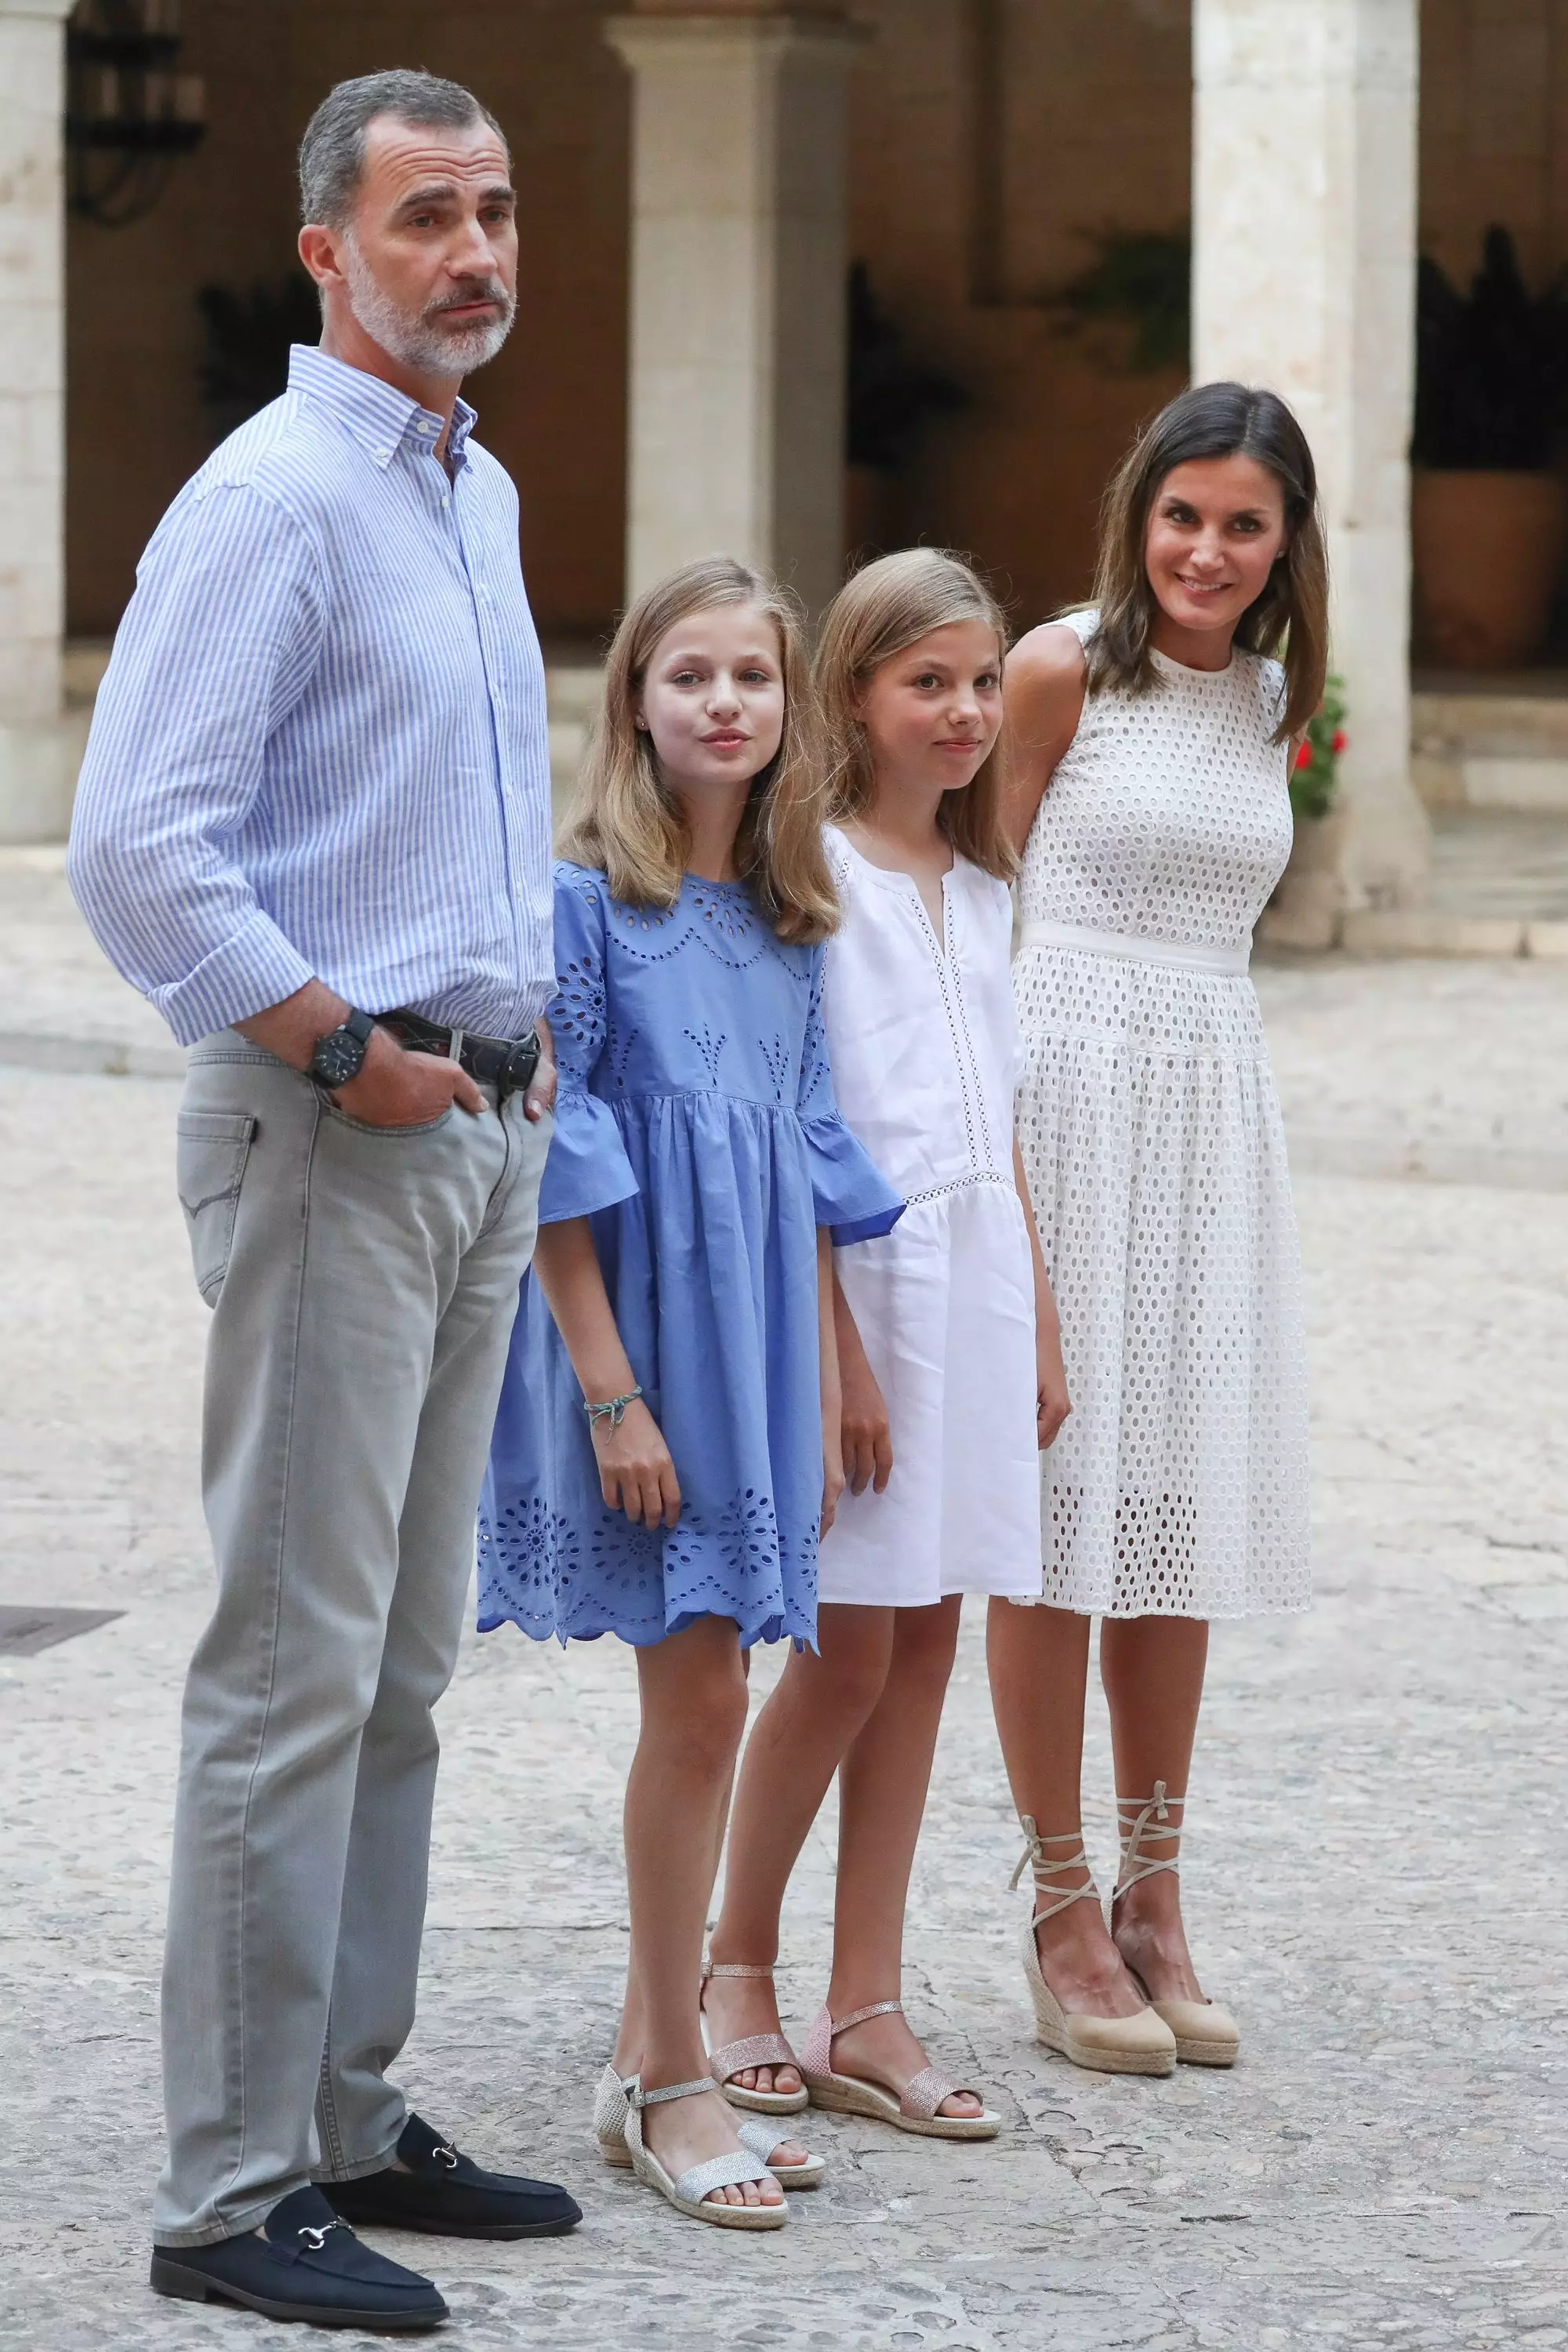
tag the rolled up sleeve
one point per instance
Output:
(217, 643)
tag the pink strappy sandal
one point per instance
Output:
(755, 2050)
(915, 2107)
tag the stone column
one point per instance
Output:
(38, 749)
(736, 397)
(1303, 278)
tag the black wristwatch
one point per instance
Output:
(340, 1055)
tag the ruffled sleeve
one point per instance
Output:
(853, 1201)
(587, 1167)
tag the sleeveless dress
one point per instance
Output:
(924, 1045)
(1155, 1154)
(696, 1126)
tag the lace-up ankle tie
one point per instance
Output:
(1138, 1818)
(1034, 1859)
(1205, 2034)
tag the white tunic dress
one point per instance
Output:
(924, 1046)
(1155, 1155)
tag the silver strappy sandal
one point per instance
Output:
(1143, 2044)
(914, 2109)
(692, 2192)
(755, 2050)
(1206, 2035)
(611, 2106)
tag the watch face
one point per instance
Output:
(339, 1057)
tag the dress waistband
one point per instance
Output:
(1232, 962)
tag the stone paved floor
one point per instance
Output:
(1374, 1877)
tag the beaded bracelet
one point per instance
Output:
(613, 1410)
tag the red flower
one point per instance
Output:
(1304, 757)
(1339, 742)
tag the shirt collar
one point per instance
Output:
(379, 417)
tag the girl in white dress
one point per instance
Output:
(1152, 741)
(947, 1341)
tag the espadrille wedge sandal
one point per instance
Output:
(1205, 2034)
(1141, 2044)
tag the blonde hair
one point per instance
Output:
(877, 614)
(1217, 420)
(624, 819)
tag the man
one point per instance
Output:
(314, 828)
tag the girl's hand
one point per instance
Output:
(1052, 1403)
(868, 1441)
(635, 1473)
(832, 1468)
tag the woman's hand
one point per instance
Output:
(635, 1473)
(1052, 1403)
(868, 1439)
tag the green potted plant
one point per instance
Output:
(1314, 774)
(1489, 512)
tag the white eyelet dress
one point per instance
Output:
(1155, 1154)
(924, 1041)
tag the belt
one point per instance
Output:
(1232, 962)
(507, 1064)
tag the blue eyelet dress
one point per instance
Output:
(696, 1126)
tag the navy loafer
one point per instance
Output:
(305, 2263)
(446, 2193)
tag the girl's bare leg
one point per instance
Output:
(1038, 1661)
(693, 1694)
(883, 1785)
(817, 1707)
(1152, 1669)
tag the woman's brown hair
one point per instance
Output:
(877, 614)
(1217, 420)
(624, 820)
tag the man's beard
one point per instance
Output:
(416, 338)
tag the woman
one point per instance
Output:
(1151, 742)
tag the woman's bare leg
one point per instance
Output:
(883, 1785)
(693, 1694)
(1152, 1669)
(797, 1742)
(1038, 1661)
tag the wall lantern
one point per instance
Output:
(128, 111)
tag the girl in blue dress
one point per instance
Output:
(667, 1451)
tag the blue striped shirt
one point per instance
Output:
(321, 747)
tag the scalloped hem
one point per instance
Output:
(645, 1636)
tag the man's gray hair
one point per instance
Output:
(331, 152)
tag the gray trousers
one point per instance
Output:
(363, 1283)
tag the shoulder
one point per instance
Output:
(262, 485)
(581, 885)
(1047, 668)
(840, 859)
(1044, 685)
(1052, 655)
(282, 453)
